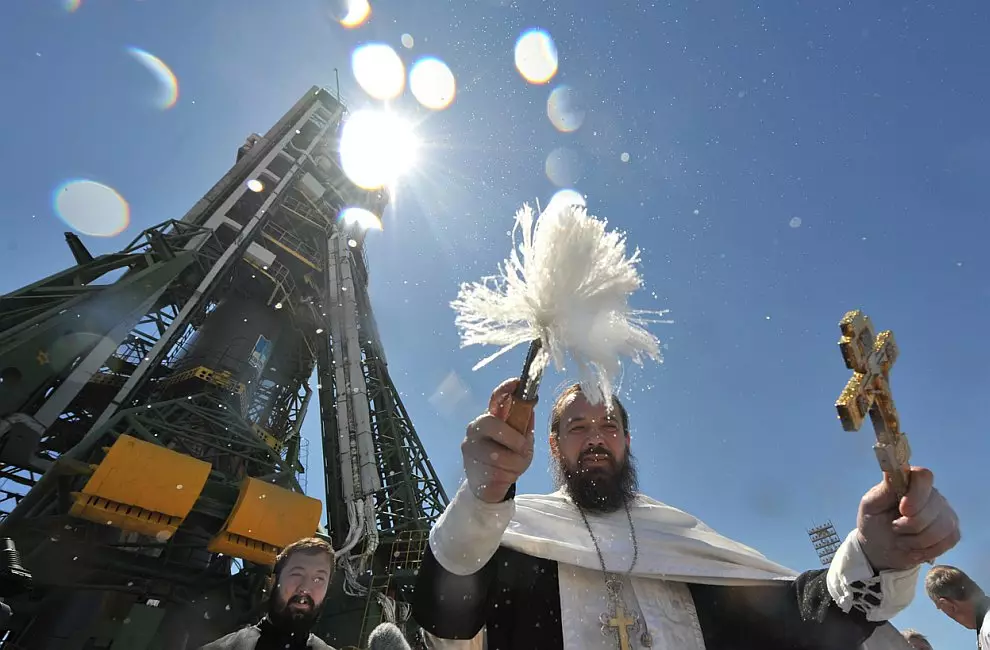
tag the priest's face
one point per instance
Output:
(590, 449)
(298, 596)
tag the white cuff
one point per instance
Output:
(469, 532)
(851, 583)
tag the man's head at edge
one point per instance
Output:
(916, 639)
(955, 594)
(589, 450)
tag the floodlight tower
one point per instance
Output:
(150, 410)
(825, 540)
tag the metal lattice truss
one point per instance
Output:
(825, 540)
(31, 305)
(412, 498)
(205, 427)
(70, 375)
(109, 351)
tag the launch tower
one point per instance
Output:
(150, 410)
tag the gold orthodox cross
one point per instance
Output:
(621, 622)
(871, 357)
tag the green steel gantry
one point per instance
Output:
(150, 410)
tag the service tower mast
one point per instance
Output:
(150, 410)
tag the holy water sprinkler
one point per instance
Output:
(564, 291)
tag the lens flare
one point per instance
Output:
(358, 12)
(91, 208)
(432, 83)
(379, 70)
(563, 167)
(72, 5)
(167, 81)
(536, 56)
(408, 41)
(563, 110)
(564, 198)
(376, 147)
(255, 185)
(364, 219)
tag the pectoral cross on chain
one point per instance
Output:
(870, 358)
(621, 622)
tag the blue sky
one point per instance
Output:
(785, 163)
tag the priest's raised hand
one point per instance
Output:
(598, 564)
(495, 454)
(901, 533)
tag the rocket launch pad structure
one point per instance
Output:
(150, 410)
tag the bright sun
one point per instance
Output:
(376, 148)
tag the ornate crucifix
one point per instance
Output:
(871, 357)
(621, 622)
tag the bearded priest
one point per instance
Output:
(598, 564)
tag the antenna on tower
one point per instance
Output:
(825, 540)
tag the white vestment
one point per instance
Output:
(675, 549)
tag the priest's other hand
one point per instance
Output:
(495, 454)
(902, 533)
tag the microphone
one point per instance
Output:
(387, 637)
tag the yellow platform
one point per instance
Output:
(142, 487)
(266, 519)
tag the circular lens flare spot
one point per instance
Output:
(563, 167)
(564, 198)
(624, 157)
(563, 110)
(432, 83)
(255, 185)
(379, 70)
(91, 208)
(408, 41)
(376, 147)
(364, 219)
(536, 56)
(358, 12)
(168, 84)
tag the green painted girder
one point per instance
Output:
(202, 420)
(33, 358)
(23, 308)
(59, 291)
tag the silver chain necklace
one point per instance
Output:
(613, 587)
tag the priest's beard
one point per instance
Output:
(292, 619)
(601, 489)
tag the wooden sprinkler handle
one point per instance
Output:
(520, 413)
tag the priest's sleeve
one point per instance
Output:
(451, 606)
(856, 587)
(843, 606)
(832, 609)
(454, 588)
